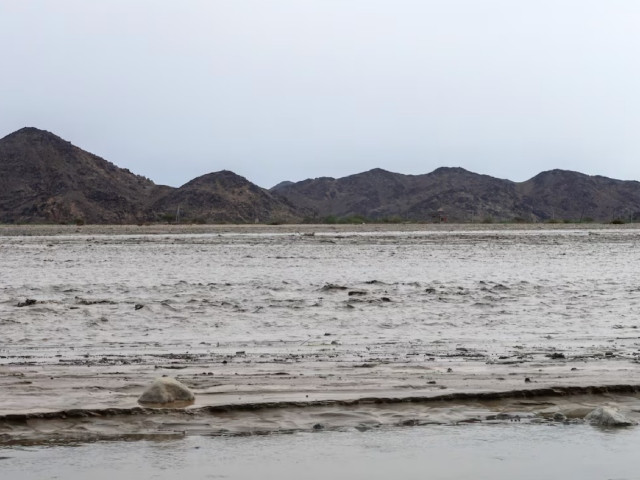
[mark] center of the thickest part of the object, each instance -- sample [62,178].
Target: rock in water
[28,302]
[167,391]
[608,417]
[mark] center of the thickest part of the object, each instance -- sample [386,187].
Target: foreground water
[493,452]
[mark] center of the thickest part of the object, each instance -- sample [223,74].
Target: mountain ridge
[456,194]
[46,179]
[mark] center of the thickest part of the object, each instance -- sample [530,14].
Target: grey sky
[291,89]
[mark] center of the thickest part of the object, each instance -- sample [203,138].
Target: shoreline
[7,230]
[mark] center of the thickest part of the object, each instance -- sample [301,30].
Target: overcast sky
[292,89]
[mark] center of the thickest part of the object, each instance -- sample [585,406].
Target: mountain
[563,194]
[224,197]
[281,185]
[459,195]
[452,192]
[44,178]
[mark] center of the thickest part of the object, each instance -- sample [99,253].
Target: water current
[480,337]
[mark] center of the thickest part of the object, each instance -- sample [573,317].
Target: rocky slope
[224,197]
[456,194]
[562,194]
[45,179]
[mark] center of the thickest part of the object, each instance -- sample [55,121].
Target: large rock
[165,391]
[608,417]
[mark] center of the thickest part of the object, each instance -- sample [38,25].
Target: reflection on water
[436,452]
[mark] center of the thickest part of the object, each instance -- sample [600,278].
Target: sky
[292,89]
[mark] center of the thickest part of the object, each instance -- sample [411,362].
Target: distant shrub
[618,221]
[79,221]
[353,219]
[553,220]
[167,217]
[392,220]
[488,219]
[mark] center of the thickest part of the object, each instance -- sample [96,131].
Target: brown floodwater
[283,329]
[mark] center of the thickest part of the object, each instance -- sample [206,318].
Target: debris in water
[28,302]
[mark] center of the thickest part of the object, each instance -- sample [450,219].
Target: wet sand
[287,328]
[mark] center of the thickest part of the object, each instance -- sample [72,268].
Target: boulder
[165,391]
[559,417]
[608,417]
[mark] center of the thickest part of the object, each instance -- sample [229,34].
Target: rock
[556,356]
[166,390]
[28,302]
[138,306]
[332,286]
[357,293]
[608,417]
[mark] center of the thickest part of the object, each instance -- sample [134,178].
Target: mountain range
[45,179]
[458,195]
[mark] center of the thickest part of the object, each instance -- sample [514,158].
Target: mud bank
[559,405]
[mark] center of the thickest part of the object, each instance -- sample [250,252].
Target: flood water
[494,452]
[335,336]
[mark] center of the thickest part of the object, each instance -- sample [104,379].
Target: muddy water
[496,452]
[254,316]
